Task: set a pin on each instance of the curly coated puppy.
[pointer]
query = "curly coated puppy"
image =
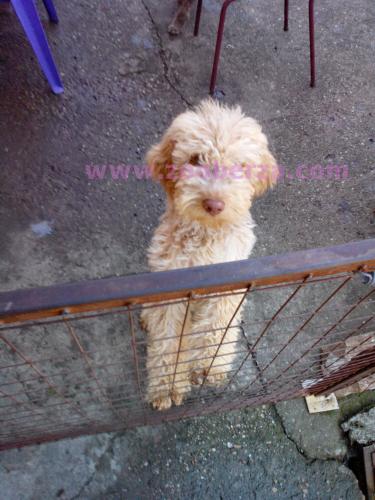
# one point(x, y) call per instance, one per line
point(220, 162)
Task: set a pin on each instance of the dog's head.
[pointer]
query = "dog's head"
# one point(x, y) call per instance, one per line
point(212, 162)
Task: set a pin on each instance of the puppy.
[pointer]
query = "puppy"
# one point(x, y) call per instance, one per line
point(221, 162)
point(182, 14)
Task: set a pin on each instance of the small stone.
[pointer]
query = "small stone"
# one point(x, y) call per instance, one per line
point(361, 427)
point(43, 228)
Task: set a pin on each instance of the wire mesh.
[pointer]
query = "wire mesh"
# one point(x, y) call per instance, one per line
point(263, 334)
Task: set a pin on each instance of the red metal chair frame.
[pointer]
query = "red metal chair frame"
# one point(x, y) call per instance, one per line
point(220, 34)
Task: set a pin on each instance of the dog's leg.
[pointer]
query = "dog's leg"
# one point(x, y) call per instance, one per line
point(216, 345)
point(168, 375)
point(181, 16)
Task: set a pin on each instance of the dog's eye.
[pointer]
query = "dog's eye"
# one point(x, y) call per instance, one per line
point(194, 160)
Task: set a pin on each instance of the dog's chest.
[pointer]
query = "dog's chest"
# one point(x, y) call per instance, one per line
point(182, 246)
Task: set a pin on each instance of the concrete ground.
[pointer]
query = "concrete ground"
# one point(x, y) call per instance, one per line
point(125, 79)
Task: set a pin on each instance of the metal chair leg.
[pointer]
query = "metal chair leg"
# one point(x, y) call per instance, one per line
point(286, 15)
point(198, 17)
point(50, 8)
point(219, 41)
point(29, 18)
point(312, 43)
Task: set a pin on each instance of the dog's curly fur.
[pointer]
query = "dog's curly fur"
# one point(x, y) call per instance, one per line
point(189, 235)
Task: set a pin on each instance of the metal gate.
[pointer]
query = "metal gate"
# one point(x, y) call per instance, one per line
point(73, 357)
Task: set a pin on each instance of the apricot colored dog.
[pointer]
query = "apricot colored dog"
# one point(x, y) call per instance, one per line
point(212, 162)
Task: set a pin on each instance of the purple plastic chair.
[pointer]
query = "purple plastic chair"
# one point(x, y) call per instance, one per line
point(220, 33)
point(29, 18)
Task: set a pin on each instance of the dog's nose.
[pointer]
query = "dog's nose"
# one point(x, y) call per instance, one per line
point(213, 207)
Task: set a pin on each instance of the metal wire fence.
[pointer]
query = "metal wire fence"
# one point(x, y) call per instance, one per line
point(75, 359)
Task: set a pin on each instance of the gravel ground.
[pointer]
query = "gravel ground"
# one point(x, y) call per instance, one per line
point(238, 455)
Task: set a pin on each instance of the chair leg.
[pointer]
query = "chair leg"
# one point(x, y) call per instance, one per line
point(219, 41)
point(312, 43)
point(286, 15)
point(198, 17)
point(50, 8)
point(29, 18)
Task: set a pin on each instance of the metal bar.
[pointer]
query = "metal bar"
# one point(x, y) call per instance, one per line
point(16, 402)
point(331, 295)
point(96, 368)
point(263, 332)
point(325, 334)
point(144, 370)
point(198, 17)
point(359, 367)
point(103, 312)
point(109, 293)
point(104, 397)
point(10, 328)
point(136, 365)
point(286, 15)
point(219, 41)
point(352, 335)
point(31, 364)
point(216, 355)
point(347, 368)
point(55, 436)
point(312, 43)
point(119, 347)
point(180, 341)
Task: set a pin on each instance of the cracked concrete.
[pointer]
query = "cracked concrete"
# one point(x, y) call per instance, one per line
point(319, 436)
point(125, 79)
point(163, 56)
point(291, 439)
point(108, 450)
point(238, 455)
point(303, 430)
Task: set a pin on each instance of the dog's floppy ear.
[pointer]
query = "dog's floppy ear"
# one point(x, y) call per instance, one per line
point(265, 175)
point(159, 159)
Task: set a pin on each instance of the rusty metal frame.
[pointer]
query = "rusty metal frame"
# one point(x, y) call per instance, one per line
point(72, 304)
point(358, 368)
point(110, 293)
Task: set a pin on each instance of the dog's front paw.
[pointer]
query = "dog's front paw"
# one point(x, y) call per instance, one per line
point(165, 402)
point(162, 403)
point(177, 397)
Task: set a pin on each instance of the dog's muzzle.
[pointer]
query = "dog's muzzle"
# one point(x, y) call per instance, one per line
point(213, 207)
